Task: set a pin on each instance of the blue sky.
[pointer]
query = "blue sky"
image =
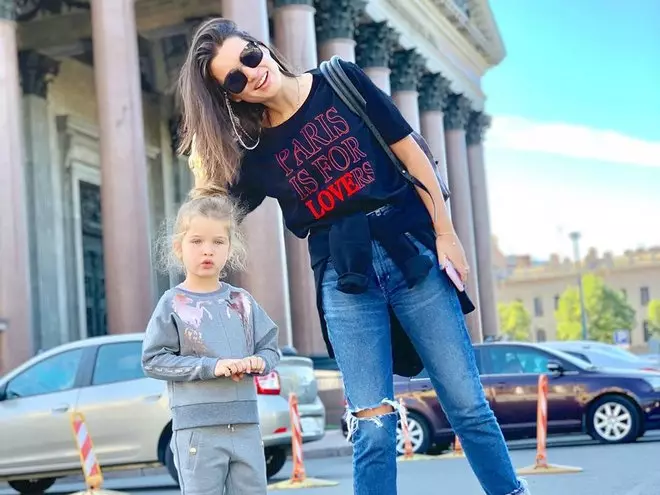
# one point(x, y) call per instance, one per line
point(575, 141)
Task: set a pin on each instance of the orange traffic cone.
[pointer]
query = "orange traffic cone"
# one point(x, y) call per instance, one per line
point(408, 453)
point(456, 453)
point(299, 477)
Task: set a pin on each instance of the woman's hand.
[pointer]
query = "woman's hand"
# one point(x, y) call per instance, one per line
point(449, 247)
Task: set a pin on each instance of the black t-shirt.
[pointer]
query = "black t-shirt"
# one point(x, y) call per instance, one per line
point(323, 163)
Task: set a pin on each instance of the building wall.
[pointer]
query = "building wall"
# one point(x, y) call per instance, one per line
point(636, 274)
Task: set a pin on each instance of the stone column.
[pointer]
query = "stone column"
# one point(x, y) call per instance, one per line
point(250, 15)
point(375, 43)
point(476, 126)
point(295, 37)
point(44, 195)
point(16, 341)
point(295, 32)
point(266, 277)
point(407, 68)
point(124, 193)
point(456, 115)
point(335, 27)
point(433, 93)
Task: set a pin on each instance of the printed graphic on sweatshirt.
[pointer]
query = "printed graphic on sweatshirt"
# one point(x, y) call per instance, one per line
point(325, 164)
point(191, 314)
point(241, 304)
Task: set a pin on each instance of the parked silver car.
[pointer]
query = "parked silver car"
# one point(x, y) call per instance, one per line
point(603, 355)
point(127, 414)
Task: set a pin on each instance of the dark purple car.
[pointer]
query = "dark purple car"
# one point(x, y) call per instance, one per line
point(613, 406)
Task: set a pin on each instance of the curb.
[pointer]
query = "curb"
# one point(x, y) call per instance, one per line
point(343, 451)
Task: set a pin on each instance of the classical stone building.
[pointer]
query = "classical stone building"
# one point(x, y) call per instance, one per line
point(539, 286)
point(88, 172)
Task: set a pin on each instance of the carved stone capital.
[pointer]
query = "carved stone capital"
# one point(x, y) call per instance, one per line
point(433, 92)
point(407, 68)
point(7, 10)
point(457, 111)
point(478, 123)
point(37, 71)
point(337, 18)
point(283, 3)
point(375, 43)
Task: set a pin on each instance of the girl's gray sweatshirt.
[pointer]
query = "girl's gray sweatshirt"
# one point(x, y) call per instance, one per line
point(186, 336)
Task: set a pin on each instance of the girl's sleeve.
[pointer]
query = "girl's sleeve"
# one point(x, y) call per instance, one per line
point(161, 358)
point(265, 337)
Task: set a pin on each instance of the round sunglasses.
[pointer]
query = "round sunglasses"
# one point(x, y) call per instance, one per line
point(251, 57)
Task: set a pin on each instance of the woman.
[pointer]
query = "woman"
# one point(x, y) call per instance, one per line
point(378, 245)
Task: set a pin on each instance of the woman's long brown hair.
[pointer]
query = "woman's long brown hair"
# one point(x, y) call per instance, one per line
point(205, 118)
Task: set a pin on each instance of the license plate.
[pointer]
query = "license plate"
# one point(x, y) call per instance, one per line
point(308, 425)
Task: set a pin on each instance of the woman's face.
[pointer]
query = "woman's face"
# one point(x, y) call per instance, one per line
point(262, 82)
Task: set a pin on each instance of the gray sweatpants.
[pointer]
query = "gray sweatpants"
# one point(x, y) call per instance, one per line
point(220, 460)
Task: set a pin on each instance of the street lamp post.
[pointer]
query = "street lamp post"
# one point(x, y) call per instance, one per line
point(575, 237)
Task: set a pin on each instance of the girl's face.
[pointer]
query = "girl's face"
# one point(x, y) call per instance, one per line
point(204, 248)
point(234, 68)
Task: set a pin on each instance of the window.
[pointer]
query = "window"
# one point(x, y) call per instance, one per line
point(644, 295)
point(538, 306)
point(511, 360)
point(624, 293)
point(54, 374)
point(557, 297)
point(648, 335)
point(541, 335)
point(120, 362)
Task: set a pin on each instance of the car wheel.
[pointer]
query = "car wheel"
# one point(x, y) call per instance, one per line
point(32, 487)
point(420, 436)
point(169, 464)
point(275, 460)
point(614, 419)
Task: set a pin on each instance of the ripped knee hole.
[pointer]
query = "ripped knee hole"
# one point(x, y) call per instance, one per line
point(375, 411)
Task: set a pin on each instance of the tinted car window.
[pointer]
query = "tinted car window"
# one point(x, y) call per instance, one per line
point(119, 362)
point(512, 360)
point(54, 374)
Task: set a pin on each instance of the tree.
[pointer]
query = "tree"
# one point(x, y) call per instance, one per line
point(515, 321)
point(607, 311)
point(654, 316)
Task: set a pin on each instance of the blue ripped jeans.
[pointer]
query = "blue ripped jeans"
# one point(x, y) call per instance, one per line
point(359, 331)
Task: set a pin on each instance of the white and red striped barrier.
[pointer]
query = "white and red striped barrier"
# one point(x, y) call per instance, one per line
point(90, 464)
point(541, 465)
point(299, 477)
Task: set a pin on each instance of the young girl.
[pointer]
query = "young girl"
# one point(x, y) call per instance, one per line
point(203, 336)
point(378, 246)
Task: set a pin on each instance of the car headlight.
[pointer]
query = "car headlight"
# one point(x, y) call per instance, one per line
point(654, 381)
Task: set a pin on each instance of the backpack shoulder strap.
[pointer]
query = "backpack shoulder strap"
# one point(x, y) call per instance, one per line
point(346, 90)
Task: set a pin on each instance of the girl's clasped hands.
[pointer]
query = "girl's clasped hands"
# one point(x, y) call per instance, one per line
point(237, 368)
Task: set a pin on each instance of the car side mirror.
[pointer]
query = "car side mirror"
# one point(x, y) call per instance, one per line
point(555, 368)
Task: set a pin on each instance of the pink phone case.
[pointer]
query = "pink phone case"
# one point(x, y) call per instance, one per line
point(454, 276)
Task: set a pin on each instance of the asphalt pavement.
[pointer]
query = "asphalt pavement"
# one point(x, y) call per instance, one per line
point(631, 469)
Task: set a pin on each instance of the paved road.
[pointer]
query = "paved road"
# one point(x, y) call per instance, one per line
point(608, 470)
